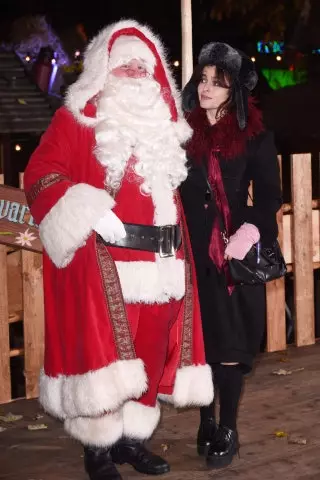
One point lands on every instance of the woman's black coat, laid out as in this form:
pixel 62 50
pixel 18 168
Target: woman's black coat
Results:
pixel 233 324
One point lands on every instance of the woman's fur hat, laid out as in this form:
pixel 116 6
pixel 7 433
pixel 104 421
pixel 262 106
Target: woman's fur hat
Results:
pixel 240 68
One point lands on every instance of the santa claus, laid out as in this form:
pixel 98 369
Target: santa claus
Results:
pixel 122 315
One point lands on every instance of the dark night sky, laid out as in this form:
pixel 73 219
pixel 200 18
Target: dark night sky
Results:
pixel 163 16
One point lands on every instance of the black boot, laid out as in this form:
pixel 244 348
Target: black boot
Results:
pixel 224 446
pixel 206 432
pixel 99 465
pixel 135 453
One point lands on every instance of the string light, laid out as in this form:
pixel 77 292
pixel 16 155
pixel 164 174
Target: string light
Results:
pixel 278 58
pixel 27 59
pixel 176 63
pixel 253 59
pixel 270 47
pixel 77 53
pixel 17 147
pixel 53 61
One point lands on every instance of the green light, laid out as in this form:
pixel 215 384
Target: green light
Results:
pixel 284 78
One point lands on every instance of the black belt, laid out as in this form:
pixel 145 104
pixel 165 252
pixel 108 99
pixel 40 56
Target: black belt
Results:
pixel 165 240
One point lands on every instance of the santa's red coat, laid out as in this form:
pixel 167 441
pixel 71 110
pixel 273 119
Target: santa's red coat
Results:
pixel 90 365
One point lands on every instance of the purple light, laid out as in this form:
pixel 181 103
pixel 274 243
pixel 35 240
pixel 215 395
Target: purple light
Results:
pixel 42 35
pixel 53 75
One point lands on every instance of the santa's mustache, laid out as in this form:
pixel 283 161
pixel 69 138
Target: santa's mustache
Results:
pixel 136 96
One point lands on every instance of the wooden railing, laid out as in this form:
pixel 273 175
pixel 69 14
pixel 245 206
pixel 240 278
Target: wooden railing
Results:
pixel 21 293
pixel 299 237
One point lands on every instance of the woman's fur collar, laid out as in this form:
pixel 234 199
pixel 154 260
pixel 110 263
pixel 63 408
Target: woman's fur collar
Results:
pixel 225 136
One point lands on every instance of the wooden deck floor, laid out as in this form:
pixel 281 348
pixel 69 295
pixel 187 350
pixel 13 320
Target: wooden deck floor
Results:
pixel 271 403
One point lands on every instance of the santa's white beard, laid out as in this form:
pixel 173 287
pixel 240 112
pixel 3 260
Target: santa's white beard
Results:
pixel 133 119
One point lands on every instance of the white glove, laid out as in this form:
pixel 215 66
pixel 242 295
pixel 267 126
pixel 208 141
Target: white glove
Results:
pixel 110 227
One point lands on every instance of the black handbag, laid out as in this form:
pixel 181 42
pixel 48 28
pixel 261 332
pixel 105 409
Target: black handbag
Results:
pixel 260 265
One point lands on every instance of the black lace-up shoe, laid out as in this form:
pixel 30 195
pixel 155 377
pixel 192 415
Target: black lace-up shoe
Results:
pixel 99 465
pixel 223 447
pixel 137 455
pixel 206 432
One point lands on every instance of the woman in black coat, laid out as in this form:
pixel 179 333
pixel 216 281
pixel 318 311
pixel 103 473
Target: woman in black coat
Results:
pixel 229 149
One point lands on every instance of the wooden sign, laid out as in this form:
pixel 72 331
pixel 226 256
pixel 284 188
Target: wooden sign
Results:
pixel 17 227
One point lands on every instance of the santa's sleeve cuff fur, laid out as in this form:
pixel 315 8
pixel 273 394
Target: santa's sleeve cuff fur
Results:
pixel 70 221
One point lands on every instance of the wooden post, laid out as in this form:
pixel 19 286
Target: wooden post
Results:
pixel 187 56
pixel 33 318
pixel 302 248
pixel 276 302
pixel 5 375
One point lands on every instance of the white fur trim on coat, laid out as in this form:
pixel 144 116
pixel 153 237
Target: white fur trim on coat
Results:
pixel 127 48
pixel 152 282
pixel 94 76
pixel 193 387
pixel 164 279
pixel 133 420
pixel 139 421
pixel 102 431
pixel 70 221
pixel 164 204
pixel 95 392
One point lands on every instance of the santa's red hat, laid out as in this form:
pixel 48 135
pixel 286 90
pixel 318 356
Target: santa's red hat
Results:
pixel 126 47
pixel 113 46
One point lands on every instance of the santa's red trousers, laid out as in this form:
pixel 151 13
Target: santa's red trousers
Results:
pixel 151 340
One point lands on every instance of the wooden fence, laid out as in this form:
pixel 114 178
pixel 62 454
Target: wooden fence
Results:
pixel 299 237
pixel 21 293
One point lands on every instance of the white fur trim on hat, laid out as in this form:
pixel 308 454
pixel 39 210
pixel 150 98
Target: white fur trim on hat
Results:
pixel 127 48
pixel 95 70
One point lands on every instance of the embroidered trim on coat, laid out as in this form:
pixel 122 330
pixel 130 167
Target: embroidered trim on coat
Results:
pixel 186 346
pixel 115 304
pixel 42 184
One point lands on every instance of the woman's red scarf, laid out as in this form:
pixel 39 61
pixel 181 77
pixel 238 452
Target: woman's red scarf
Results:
pixel 211 142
